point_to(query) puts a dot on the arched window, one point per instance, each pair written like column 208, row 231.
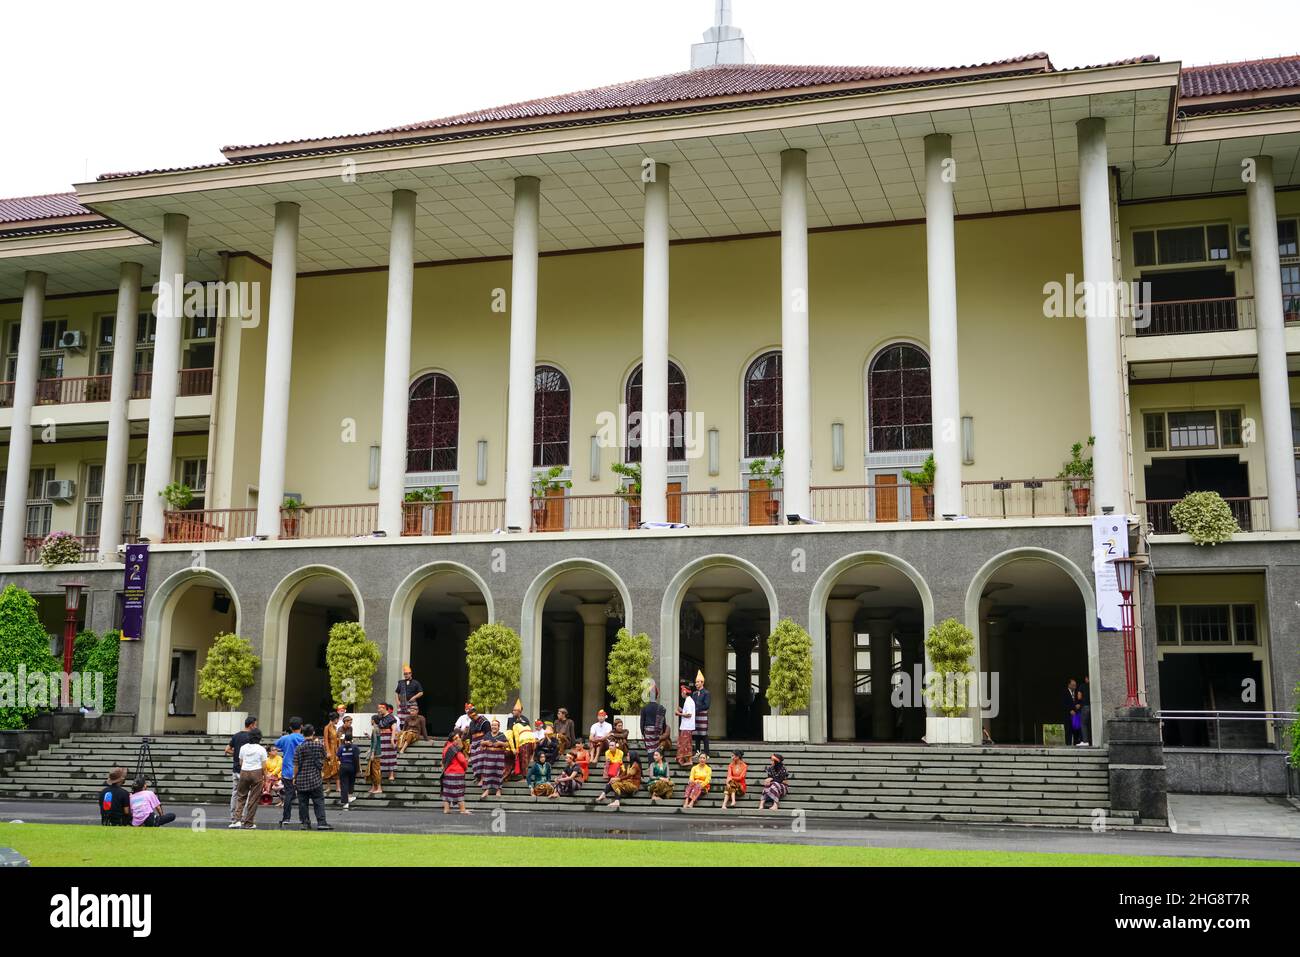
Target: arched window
column 763, row 406
column 676, row 414
column 550, row 418
column 898, row 400
column 432, row 424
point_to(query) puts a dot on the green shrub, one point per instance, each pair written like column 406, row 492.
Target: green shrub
column 227, row 671
column 789, row 683
column 1204, row 517
column 628, row 671
column 23, row 641
column 493, row 654
column 1294, row 732
column 81, row 649
column 352, row 659
column 103, row 657
column 949, row 646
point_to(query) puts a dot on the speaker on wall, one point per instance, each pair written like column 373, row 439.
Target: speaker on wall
column 220, row 602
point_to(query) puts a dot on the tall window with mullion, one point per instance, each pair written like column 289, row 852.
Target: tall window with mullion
column 194, row 473
column 40, row 510
column 133, row 498
column 898, row 400
column 552, row 402
column 676, row 415
column 432, row 424
column 763, row 412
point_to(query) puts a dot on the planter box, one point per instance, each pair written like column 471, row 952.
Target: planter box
column 939, row 730
column 226, row 723
column 785, row 727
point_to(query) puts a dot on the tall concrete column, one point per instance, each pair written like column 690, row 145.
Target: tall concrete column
column 841, row 612
column 564, row 632
column 715, row 615
column 119, row 428
column 796, row 386
column 279, row 365
column 654, row 352
column 881, row 633
column 1105, row 383
column 1270, row 338
column 593, row 660
column 397, row 362
column 941, row 284
column 523, row 353
column 20, row 435
column 166, row 371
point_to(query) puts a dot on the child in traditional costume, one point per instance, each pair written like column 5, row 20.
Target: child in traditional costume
column 271, row 783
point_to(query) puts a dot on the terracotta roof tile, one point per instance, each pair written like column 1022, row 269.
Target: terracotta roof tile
column 1247, row 76
column 48, row 206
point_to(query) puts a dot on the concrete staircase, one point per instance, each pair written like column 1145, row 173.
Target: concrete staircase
column 1063, row 787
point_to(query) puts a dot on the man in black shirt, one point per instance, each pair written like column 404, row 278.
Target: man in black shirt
column 409, row 693
column 115, row 800
column 237, row 741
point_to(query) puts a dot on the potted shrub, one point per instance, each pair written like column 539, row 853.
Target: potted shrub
column 949, row 646
column 1205, row 518
column 226, row 672
column 543, row 485
column 178, row 496
column 629, row 490
column 924, row 479
column 419, row 517
column 351, row 659
column 1079, row 472
column 789, row 682
column 768, row 471
column 60, row 548
column 290, row 520
column 628, row 676
column 493, row 656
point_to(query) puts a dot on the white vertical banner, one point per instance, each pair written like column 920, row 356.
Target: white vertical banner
column 1109, row 541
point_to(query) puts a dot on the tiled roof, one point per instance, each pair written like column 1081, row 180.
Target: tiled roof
column 1248, row 76
column 49, row 206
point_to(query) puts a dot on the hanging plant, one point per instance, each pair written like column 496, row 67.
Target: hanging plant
column 1205, row 518
column 60, row 548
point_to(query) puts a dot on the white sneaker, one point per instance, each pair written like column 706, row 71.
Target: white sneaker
column 232, row 825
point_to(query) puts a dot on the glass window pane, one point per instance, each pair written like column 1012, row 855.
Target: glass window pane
column 1243, row 625
column 1230, row 427
column 1205, row 625
column 1167, row 624
column 1216, row 239
column 1185, row 245
column 1287, row 238
column 1153, row 427
column 1144, row 248
column 1192, row 430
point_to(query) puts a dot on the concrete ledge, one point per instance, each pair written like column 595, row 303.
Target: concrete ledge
column 1210, row 771
column 46, row 729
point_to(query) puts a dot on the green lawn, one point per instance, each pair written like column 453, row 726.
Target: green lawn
column 73, row 845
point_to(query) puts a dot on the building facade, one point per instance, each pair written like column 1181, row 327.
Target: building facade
column 394, row 370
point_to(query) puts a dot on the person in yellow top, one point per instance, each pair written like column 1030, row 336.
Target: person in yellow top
column 522, row 741
column 698, row 786
column 271, row 785
column 613, row 765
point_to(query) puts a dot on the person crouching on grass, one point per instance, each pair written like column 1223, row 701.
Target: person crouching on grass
column 454, row 765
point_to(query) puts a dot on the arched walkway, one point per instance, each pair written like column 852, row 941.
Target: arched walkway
column 189, row 609
column 1035, row 615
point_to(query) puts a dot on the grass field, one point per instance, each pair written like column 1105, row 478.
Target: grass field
column 71, row 845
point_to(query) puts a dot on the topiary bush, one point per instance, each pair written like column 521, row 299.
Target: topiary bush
column 628, row 671
column 60, row 548
column 352, row 660
column 493, row 654
column 790, row 673
column 227, row 671
column 949, row 646
column 23, row 642
column 103, row 657
column 1204, row 517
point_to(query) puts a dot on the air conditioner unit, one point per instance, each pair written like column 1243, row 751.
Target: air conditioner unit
column 72, row 339
column 61, row 490
column 1243, row 239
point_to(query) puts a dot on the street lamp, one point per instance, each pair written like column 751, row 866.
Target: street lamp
column 1124, row 568
column 71, row 602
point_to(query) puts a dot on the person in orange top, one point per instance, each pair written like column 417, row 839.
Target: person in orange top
column 735, row 784
column 583, row 757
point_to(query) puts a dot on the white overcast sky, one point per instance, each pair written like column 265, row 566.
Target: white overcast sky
column 99, row 87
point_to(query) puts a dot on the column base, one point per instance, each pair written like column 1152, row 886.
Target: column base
column 1138, row 779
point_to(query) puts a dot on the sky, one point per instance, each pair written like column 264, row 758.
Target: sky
column 143, row 84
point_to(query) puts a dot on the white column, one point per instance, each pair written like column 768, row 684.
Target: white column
column 1270, row 339
column 654, row 352
column 397, row 362
column 279, row 363
column 523, row 353
column 166, row 369
column 20, row 434
column 715, row 615
column 796, row 390
column 841, row 612
column 941, row 285
column 1105, row 385
column 119, row 428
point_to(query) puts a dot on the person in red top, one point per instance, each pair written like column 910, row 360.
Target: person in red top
column 454, row 765
column 583, row 757
column 735, row 786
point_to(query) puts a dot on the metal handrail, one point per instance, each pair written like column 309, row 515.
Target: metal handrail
column 1279, row 719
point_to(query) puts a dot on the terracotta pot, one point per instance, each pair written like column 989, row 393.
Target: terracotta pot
column 773, row 509
column 411, row 521
column 1081, row 498
column 539, row 519
column 634, row 513
column 927, row 502
column 289, row 527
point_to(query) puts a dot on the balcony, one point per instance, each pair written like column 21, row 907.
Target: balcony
column 1251, row 514
column 1190, row 316
column 32, row 549
column 96, row 388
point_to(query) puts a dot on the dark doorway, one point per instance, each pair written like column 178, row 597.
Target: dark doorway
column 1210, row 681
column 1168, row 480
column 1191, row 300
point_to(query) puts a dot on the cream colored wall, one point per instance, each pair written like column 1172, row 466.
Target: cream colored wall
column 193, row 626
column 1021, row 374
column 81, row 313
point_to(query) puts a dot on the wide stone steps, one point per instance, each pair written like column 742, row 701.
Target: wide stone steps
column 1030, row 786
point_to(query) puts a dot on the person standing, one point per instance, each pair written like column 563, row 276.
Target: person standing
column 330, row 740
column 309, row 762
column 517, row 716
column 735, row 785
column 654, row 721
column 479, row 729
column 252, row 762
column 388, row 731
column 775, row 784
column 288, row 745
column 599, row 734
column 703, row 698
column 349, row 762
column 409, row 692
column 1085, row 711
column 271, row 785
column 237, row 741
column 115, row 800
column 492, row 761
column 525, row 741
column 374, row 759
column 1070, row 705
column 685, row 726
column 454, row 765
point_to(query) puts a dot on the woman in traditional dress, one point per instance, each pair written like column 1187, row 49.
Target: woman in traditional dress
column 374, row 763
column 454, row 765
column 698, row 785
column 613, row 767
column 388, row 731
column 491, row 760
column 735, row 785
column 628, row 781
column 582, row 757
column 661, row 782
column 330, row 768
column 570, row 779
column 618, row 737
column 539, row 777
column 774, row 785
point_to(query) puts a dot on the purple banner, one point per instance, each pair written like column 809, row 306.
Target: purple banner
column 137, row 579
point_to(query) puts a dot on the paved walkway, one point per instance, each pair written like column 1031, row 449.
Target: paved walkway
column 714, row 827
column 1232, row 814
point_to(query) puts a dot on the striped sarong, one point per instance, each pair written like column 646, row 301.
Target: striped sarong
column 453, row 788
column 491, row 767
column 776, row 791
column 701, row 724
column 388, row 753
column 476, row 757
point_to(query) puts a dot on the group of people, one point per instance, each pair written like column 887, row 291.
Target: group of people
column 139, row 807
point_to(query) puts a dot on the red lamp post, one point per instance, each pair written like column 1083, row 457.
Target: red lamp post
column 1124, row 568
column 71, row 602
